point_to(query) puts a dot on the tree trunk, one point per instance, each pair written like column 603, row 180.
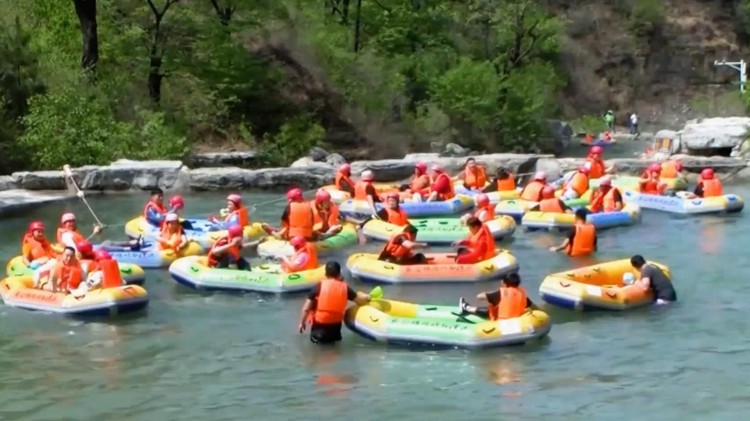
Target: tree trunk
column 86, row 11
column 357, row 25
column 155, row 76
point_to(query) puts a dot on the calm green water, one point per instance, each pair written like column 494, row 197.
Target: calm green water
column 234, row 357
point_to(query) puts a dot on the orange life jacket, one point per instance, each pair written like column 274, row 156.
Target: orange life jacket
column 712, row 188
column 340, row 179
column 551, row 205
column 532, row 191
column 151, row 205
column 242, row 216
column 301, row 220
column 397, row 217
column 397, row 251
column 583, row 241
column 588, row 138
column 669, row 169
column 213, row 259
column 168, row 240
column 33, row 249
column 323, row 220
column 507, row 184
column 512, row 304
column 419, row 182
column 597, row 168
column 360, row 190
column 483, row 236
column 449, row 194
column 311, row 263
column 609, row 202
column 331, row 302
column 68, row 276
column 650, row 187
column 77, row 238
column 111, row 277
column 579, row 183
column 485, row 214
column 475, row 179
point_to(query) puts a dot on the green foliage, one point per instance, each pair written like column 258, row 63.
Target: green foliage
column 294, row 139
column 647, row 17
column 593, row 124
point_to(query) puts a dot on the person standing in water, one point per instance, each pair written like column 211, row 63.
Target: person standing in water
column 653, row 278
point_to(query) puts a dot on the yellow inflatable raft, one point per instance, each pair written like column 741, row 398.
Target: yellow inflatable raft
column 597, row 287
column 19, row 291
column 406, row 324
column 338, row 196
column 441, row 268
column 199, row 232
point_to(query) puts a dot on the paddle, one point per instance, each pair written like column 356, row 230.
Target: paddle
column 376, row 293
column 79, row 193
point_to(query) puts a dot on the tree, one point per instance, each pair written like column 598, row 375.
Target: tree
column 86, row 12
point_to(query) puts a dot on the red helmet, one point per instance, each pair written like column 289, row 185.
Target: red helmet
column 177, row 202
column 436, row 168
column 67, row 217
column 294, row 194
column 345, row 169
column 322, row 196
column 421, row 167
column 678, row 165
column 84, row 247
column 596, row 150
column 367, row 175
column 548, row 192
column 393, row 195
column 483, row 199
column 235, row 198
column 583, row 169
column 297, row 241
column 707, row 174
column 655, row 168
column 101, row 255
column 36, row 225
column 235, row 231
column 605, row 182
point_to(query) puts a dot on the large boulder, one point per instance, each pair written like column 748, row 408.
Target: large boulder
column 125, row 174
column 221, row 178
column 241, row 159
column 209, row 179
column 714, row 133
column 7, row 183
column 40, row 180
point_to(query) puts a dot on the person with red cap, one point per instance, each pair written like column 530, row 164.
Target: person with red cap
column 533, row 191
column 365, row 190
column 606, row 198
column 106, row 274
column 36, row 250
column 305, row 256
column 177, row 206
column 671, row 168
column 298, row 218
column 442, row 185
column 343, row 181
column 484, row 211
column 419, row 181
column 650, row 182
column 237, row 215
column 326, row 217
column 226, row 251
column 595, row 163
column 708, row 185
column 577, row 184
column 155, row 211
column 550, row 203
column 67, row 233
column 504, row 180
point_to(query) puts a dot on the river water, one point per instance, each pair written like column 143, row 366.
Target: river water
column 197, row 356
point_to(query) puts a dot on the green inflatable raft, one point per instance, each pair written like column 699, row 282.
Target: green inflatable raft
column 275, row 249
column 438, row 230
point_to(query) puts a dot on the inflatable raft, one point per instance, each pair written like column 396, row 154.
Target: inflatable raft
column 275, row 249
column 406, row 324
column 149, row 255
column 456, row 205
column 193, row 272
column 441, row 268
column 597, row 287
column 438, row 231
column 629, row 215
column 132, row 274
column 598, row 142
column 18, row 291
column 517, row 208
column 680, row 204
column 200, row 231
column 626, row 182
column 338, row 196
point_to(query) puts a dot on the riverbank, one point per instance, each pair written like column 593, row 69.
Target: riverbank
column 22, row 190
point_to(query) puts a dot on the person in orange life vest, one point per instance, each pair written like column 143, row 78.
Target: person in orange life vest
column 442, row 185
column 365, row 190
column 671, row 169
column 588, row 138
column 106, row 274
column 236, row 215
column 708, row 185
column 327, row 303
column 507, row 302
column 582, row 240
column 171, row 236
column 473, row 176
column 326, row 218
column 533, row 191
column 577, row 185
column 35, row 248
column 343, row 180
column 305, row 256
column 400, row 248
column 177, row 205
column 226, row 251
column 420, row 181
column 479, row 246
column 297, row 219
column 650, row 182
column 155, row 211
column 67, row 233
column 391, row 212
column 503, row 181
column 550, row 203
column 66, row 275
column 606, row 198
column 595, row 163
column 484, row 211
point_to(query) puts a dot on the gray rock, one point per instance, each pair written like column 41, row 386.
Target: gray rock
column 224, row 178
column 305, row 161
column 7, row 183
column 40, row 180
column 552, row 167
column 421, row 157
column 436, row 147
column 15, row 200
column 227, row 178
column 241, row 159
column 335, row 160
column 690, row 164
column 453, row 149
column 317, row 153
column 561, row 133
column 125, row 174
column 711, row 133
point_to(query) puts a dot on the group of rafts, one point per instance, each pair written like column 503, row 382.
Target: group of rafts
column 72, row 276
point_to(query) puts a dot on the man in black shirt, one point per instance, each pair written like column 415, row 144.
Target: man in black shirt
column 654, row 278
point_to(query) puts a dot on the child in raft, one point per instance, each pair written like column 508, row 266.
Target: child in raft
column 507, row 302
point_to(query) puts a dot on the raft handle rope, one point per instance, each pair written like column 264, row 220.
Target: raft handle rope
column 79, row 193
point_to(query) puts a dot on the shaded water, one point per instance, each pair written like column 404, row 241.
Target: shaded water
column 216, row 356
